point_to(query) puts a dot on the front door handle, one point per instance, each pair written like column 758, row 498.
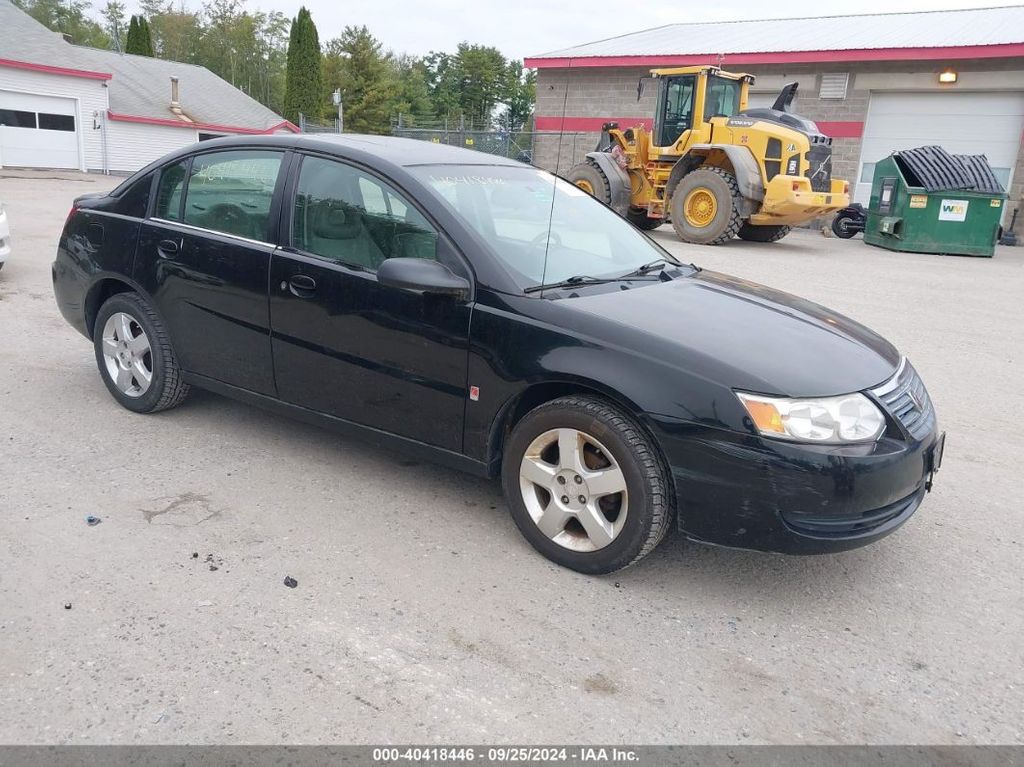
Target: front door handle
column 168, row 248
column 302, row 285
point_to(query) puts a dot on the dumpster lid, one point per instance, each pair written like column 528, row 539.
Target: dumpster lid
column 935, row 169
column 980, row 172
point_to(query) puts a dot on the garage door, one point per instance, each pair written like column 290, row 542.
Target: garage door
column 38, row 131
column 962, row 123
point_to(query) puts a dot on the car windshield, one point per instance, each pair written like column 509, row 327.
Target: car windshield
column 542, row 228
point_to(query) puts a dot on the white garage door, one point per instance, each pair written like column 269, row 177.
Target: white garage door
column 38, row 131
column 961, row 123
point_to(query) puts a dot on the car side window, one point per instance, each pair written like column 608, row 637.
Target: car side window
column 231, row 192
column 352, row 217
column 168, row 193
column 135, row 200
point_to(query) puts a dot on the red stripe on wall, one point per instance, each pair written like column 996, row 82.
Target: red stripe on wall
column 50, row 70
column 587, row 123
column 1007, row 50
column 835, row 129
column 841, row 129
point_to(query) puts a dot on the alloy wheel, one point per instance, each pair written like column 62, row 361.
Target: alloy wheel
column 574, row 489
column 127, row 354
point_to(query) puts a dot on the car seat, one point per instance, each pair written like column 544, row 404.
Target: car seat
column 337, row 231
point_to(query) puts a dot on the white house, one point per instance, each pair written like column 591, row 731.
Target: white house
column 67, row 106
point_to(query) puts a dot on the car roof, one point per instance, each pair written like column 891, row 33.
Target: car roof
column 403, row 152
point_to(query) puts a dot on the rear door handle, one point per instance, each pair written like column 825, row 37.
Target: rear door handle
column 168, row 248
column 302, row 285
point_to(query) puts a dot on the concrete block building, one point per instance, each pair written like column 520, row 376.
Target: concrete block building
column 875, row 83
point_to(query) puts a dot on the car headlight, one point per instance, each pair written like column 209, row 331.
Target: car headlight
column 830, row 420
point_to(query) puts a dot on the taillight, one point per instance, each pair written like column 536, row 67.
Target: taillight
column 71, row 213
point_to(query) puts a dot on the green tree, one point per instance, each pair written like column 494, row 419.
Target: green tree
column 469, row 83
column 113, row 23
column 138, row 41
column 412, row 98
column 364, row 74
column 69, row 17
column 303, row 74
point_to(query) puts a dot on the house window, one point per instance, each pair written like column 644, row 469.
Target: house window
column 56, row 122
column 16, row 118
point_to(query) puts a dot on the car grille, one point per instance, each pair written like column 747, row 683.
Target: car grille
column 906, row 398
column 846, row 525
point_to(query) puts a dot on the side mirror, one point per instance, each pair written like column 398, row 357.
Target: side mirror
column 422, row 274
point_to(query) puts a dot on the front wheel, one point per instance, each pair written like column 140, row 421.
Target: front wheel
column 752, row 233
column 705, row 206
column 586, row 485
column 134, row 355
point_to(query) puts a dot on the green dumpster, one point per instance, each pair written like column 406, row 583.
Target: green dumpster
column 926, row 200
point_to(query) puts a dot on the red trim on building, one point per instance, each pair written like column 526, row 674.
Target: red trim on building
column 587, row 123
column 170, row 123
column 953, row 52
column 835, row 129
column 841, row 129
column 45, row 68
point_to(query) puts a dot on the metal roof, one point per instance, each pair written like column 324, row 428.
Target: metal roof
column 140, row 86
column 925, row 29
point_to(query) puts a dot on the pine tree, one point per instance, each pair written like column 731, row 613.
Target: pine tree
column 131, row 40
column 145, row 38
column 139, row 41
column 303, row 76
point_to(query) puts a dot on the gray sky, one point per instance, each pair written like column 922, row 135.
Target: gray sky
column 521, row 28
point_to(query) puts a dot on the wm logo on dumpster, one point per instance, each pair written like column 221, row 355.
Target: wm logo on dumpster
column 953, row 210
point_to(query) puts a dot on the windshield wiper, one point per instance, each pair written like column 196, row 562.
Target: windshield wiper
column 580, row 279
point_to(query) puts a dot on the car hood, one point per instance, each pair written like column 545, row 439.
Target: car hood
column 746, row 336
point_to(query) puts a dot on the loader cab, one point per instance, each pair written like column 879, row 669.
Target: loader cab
column 688, row 97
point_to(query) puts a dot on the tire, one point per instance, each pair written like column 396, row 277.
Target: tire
column 723, row 220
column 123, row 362
column 622, row 526
column 591, row 179
column 641, row 220
column 841, row 227
column 752, row 233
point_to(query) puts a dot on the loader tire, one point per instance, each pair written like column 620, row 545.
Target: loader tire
column 752, row 233
column 705, row 206
column 591, row 179
column 641, row 220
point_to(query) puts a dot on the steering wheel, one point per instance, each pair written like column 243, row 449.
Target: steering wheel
column 232, row 219
column 543, row 238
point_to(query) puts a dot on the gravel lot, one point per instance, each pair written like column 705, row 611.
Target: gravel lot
column 420, row 613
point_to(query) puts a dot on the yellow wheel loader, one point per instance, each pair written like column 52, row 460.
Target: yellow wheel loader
column 712, row 167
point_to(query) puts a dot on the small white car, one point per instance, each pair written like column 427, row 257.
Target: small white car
column 5, row 236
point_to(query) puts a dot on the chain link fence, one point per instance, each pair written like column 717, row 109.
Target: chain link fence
column 552, row 150
column 309, row 125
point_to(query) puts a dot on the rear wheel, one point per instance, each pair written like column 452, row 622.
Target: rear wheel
column 591, row 179
column 753, row 233
column 134, row 355
column 641, row 220
column 844, row 226
column 705, row 206
column 586, row 485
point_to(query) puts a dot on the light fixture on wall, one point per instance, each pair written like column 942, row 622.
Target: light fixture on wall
column 947, row 77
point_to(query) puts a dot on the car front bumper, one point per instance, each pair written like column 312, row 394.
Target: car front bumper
column 743, row 491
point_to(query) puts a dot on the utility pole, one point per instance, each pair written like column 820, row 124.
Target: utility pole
column 336, row 97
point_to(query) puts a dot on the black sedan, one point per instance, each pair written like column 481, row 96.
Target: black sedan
column 490, row 316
